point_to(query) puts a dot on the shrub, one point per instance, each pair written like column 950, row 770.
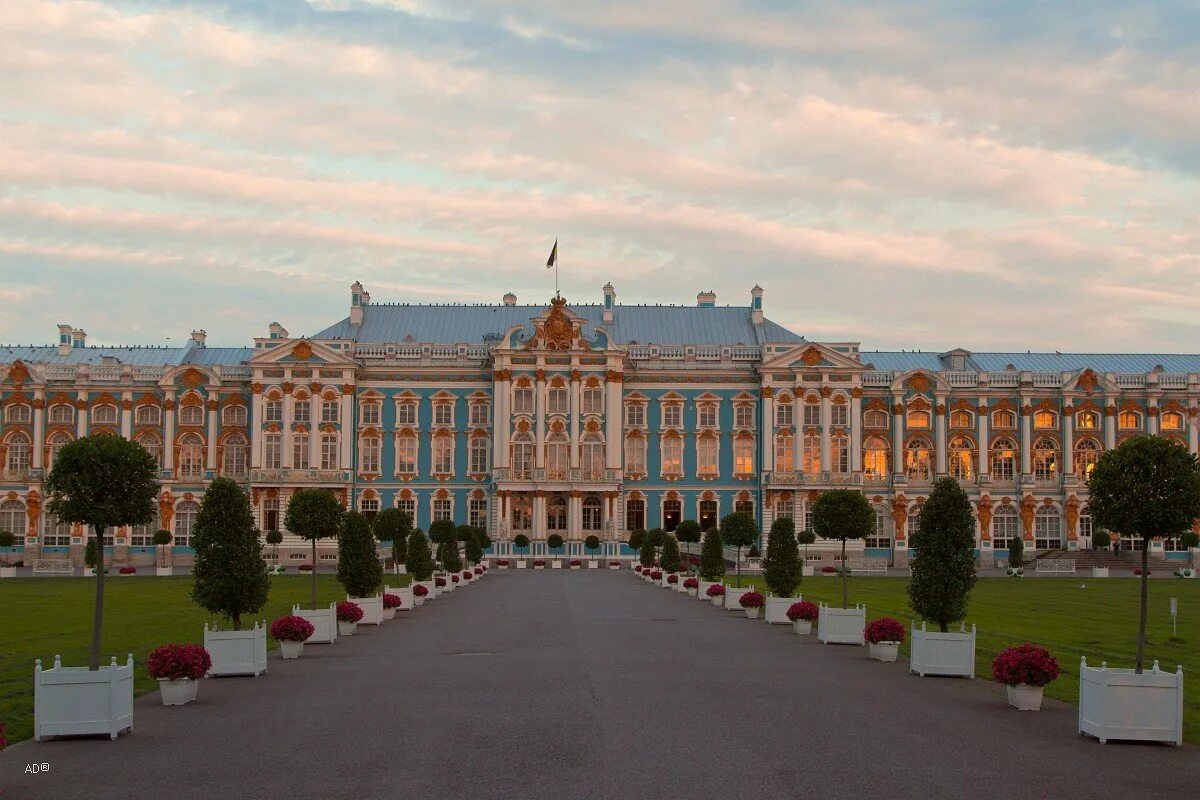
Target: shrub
column 1016, row 553
column 943, row 569
column 828, row 570
column 348, row 612
column 129, row 570
column 358, row 569
column 688, row 532
column 305, row 567
column 691, row 583
column 292, row 628
column 314, row 514
column 574, row 562
column 420, row 590
column 672, row 579
column 752, row 600
column 781, row 568
column 843, row 514
column 712, row 556
column 521, row 540
column 803, row 610
column 540, row 562
column 1101, row 539
column 395, row 526
column 715, row 590
column 473, row 550
column 1025, row 664
column 739, row 530
column 669, row 558
column 884, row 629
column 418, row 557
column 392, row 600
column 635, row 539
column 554, row 541
column 439, row 582
column 646, row 556
column 176, row 662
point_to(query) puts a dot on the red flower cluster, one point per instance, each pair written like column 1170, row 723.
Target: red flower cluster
column 467, row 574
column 828, row 570
column 752, row 600
column 503, row 562
column 1138, row 571
column 884, row 629
column 174, row 662
column 541, row 562
column 638, row 569
column 656, row 575
column 574, row 562
column 672, row 578
column 439, row 581
column 614, row 563
column 292, row 629
column 1027, row 664
column 479, row 570
column 454, row 578
column 3, row 741
column 715, row 590
column 348, row 612
column 803, row 610
column 392, row 600
column 128, row 570
column 691, row 583
column 306, row 567
column 420, row 591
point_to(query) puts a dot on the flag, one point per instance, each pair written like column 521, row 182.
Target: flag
column 552, row 261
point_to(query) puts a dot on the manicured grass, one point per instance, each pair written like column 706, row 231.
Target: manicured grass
column 1099, row 621
column 48, row 616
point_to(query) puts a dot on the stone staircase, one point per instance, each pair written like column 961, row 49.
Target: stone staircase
column 1086, row 559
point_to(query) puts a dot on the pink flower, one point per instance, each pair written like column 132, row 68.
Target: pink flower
column 392, row 600
column 691, row 583
column 439, row 581
column 884, row 629
column 503, row 562
column 348, row 612
column 1025, row 664
column 656, row 575
column 454, row 578
column 174, row 662
column 752, row 600
column 803, row 610
column 292, row 628
column 420, row 591
column 128, row 570
column 715, row 590
column 672, row 578
column 574, row 562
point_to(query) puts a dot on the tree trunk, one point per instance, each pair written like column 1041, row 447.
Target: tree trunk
column 1141, row 648
column 845, row 592
column 314, row 574
column 237, row 622
column 98, row 610
column 739, row 566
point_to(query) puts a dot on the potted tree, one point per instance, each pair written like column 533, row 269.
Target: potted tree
column 91, row 557
column 161, row 539
column 395, row 526
column 419, row 564
column 712, row 563
column 592, row 544
column 177, row 668
column 315, row 514
column 1025, row 670
column 1016, row 558
column 106, row 482
column 842, row 514
column 1101, row 541
column 472, row 549
column 359, row 569
column 669, row 560
column 291, row 632
column 7, row 541
column 739, row 530
column 555, row 542
column 636, row 537
column 647, row 556
column 805, row 538
column 520, row 542
column 884, row 636
column 943, row 575
column 274, row 538
column 781, row 570
column 802, row 615
column 689, row 533
column 229, row 578
column 1147, row 486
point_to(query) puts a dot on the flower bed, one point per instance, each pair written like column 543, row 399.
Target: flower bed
column 420, row 591
column 828, row 570
column 884, row 629
column 716, row 590
column 467, row 575
column 1024, row 664
column 291, row 628
column 503, row 562
column 348, row 612
column 541, row 562
column 752, row 600
column 392, row 601
column 803, row 610
column 614, row 563
column 656, row 575
column 1138, row 571
column 177, row 662
column 128, row 570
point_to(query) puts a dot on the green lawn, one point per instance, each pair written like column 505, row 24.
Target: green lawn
column 48, row 616
column 1099, row 621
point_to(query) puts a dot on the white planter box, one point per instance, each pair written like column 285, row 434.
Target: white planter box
column 884, row 651
column 732, row 596
column 1023, row 697
column 752, row 613
column 164, row 572
column 593, row 564
column 389, row 613
column 702, row 589
column 1099, row 572
column 324, row 620
column 407, row 601
column 291, row 649
column 936, row 653
column 556, row 563
column 8, row 572
column 614, row 566
column 808, row 570
column 776, row 609
column 430, row 592
column 75, row 701
column 501, row 566
column 575, row 566
column 237, row 652
column 539, row 566
column 346, row 628
column 1120, row 704
column 841, row 625
column 177, row 693
column 678, row 585
column 718, row 601
column 372, row 608
column 520, row 563
column 401, row 569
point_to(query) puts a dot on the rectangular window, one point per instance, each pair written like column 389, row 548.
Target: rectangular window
column 812, row 414
column 840, row 415
column 329, row 451
column 406, row 414
column 635, row 455
column 635, row 415
column 635, row 515
column 706, row 416
column 330, row 412
column 784, row 457
column 442, row 509
column 672, row 415
column 371, row 413
column 479, row 414
column 408, row 506
column 840, row 454
column 743, row 416
column 406, row 455
column 369, row 455
column 743, row 457
column 273, row 411
column 272, row 451
column 523, row 400
column 477, row 511
column 443, row 455
column 881, row 538
column 783, row 415
column 672, row 456
column 706, row 455
column 271, row 514
column 480, row 447
column 369, row 508
column 301, row 411
column 443, row 414
column 300, row 451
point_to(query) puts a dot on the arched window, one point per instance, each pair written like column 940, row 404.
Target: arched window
column 1087, row 453
column 19, row 457
column 558, row 455
column 556, row 513
column 557, row 401
column 1045, row 459
column 523, row 400
column 104, row 415
column 152, row 444
column 917, row 419
column 876, row 457
column 1171, row 421
column 1045, row 419
column 56, row 442
column 522, row 456
column 1005, row 527
column 62, row 414
column 916, row 462
column 593, row 514
column 19, row 414
column 591, row 456
column 191, row 415
column 147, row 415
column 1129, row 421
column 191, row 456
column 784, row 457
column 233, row 457
column 913, row 523
column 962, row 419
column 233, row 415
column 593, row 400
column 812, row 454
column 875, row 418
column 961, row 458
column 1047, row 528
column 185, row 519
column 1087, row 421
column 1004, row 419
column 12, row 518
column 406, row 454
column 1004, row 459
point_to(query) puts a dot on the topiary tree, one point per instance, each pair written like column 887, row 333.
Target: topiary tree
column 781, row 567
column 1101, row 541
column 712, row 556
column 358, row 569
column 229, row 575
column 636, row 538
column 314, row 514
column 481, row 536
column 161, row 539
column 739, row 530
column 521, row 540
column 1190, row 540
column 806, row 537
column 1147, row 486
column 7, row 540
column 419, row 558
column 442, row 532
column 1016, row 552
column 274, row 538
column 90, row 553
column 669, row 559
column 843, row 514
column 592, row 543
column 689, row 533
column 450, row 556
column 753, row 552
column 395, row 526
column 106, row 482
column 657, row 537
column 646, row 556
column 554, row 541
column 473, row 552
column 943, row 570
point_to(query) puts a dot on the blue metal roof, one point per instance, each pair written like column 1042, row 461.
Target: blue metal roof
column 631, row 325
column 139, row 356
column 1036, row 362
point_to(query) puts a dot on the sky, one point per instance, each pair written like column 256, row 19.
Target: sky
column 1003, row 176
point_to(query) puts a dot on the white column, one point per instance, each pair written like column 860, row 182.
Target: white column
column 348, row 431
column 39, row 428
column 614, row 421
column 539, row 517
column 856, row 430
column 127, row 415
column 314, row 431
column 1026, row 438
column 256, row 428
column 1152, row 417
column 213, row 409
column 501, row 421
column 81, row 415
column 539, row 425
column 826, row 420
column 169, row 431
column 289, row 405
column 1110, row 423
column 798, row 427
column 939, row 435
column 574, row 516
column 897, row 435
column 1068, row 457
column 1193, row 427
column 767, row 427
column 574, row 398
column 984, row 460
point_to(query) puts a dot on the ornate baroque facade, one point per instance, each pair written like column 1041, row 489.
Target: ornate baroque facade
column 587, row 419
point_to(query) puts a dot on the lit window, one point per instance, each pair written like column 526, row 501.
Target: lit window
column 1129, row 421
column 1172, row 421
column 1045, row 419
column 1004, row 419
column 1087, row 420
column 876, row 463
column 1087, row 453
column 743, row 457
column 812, row 454
column 1004, row 459
column 961, row 458
column 672, row 456
column 961, row 419
column 784, row 457
column 1045, row 459
column 917, row 419
column 916, row 462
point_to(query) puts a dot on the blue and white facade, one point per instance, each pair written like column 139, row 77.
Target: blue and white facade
column 584, row 419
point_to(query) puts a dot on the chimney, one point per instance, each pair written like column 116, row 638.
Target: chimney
column 198, row 338
column 64, row 340
column 756, row 307
column 706, row 299
column 610, row 300
column 358, row 299
column 78, row 337
column 277, row 331
column 510, row 299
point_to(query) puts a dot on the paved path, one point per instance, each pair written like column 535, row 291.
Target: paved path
column 565, row 685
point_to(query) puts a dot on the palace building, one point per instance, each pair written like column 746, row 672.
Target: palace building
column 586, row 419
